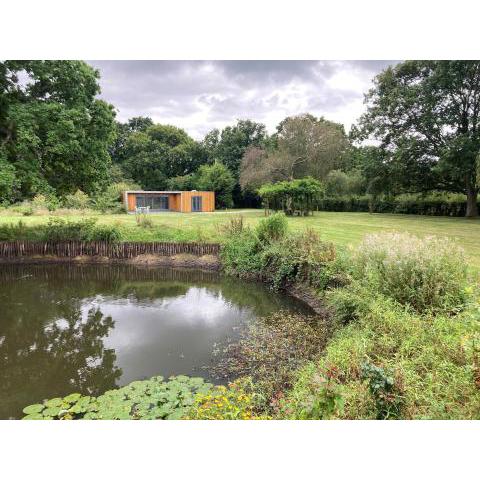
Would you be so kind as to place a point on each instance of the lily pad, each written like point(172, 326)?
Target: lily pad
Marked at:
point(35, 408)
point(52, 411)
point(72, 398)
point(54, 402)
point(33, 416)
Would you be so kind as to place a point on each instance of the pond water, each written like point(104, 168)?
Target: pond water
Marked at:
point(91, 328)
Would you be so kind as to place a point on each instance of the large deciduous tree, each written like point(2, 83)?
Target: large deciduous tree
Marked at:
point(426, 116)
point(54, 132)
point(219, 179)
point(229, 145)
point(160, 152)
point(304, 146)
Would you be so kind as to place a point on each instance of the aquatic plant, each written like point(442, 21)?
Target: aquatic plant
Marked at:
point(140, 400)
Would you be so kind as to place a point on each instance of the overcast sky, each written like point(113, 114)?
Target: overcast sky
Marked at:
point(200, 95)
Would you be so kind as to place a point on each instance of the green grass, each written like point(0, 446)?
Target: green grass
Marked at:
point(343, 228)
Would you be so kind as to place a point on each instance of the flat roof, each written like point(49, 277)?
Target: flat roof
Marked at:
point(153, 191)
point(165, 191)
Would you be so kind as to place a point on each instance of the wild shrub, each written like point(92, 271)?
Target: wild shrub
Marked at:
point(346, 305)
point(78, 200)
point(235, 226)
point(323, 401)
point(273, 228)
point(235, 402)
point(424, 273)
point(43, 203)
point(105, 233)
point(60, 230)
point(241, 254)
point(143, 220)
point(10, 232)
point(383, 388)
point(299, 258)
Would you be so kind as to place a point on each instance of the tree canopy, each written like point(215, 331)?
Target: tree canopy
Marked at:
point(425, 114)
point(54, 132)
point(304, 146)
point(294, 196)
point(157, 153)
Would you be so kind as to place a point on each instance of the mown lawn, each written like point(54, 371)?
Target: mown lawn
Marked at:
point(343, 228)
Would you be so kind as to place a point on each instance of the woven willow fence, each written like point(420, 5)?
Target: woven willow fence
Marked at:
point(104, 249)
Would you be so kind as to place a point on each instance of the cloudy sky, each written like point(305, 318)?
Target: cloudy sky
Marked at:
point(201, 95)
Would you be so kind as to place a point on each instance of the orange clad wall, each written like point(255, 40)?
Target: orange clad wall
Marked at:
point(174, 201)
point(131, 202)
point(208, 201)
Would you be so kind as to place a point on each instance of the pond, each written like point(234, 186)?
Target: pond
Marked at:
point(90, 328)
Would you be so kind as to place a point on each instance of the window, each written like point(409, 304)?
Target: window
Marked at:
point(196, 204)
point(141, 201)
point(160, 202)
point(155, 202)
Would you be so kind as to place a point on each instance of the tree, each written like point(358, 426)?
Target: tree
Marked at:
point(426, 116)
point(305, 146)
point(294, 196)
point(308, 146)
point(123, 131)
point(253, 173)
point(53, 130)
point(159, 153)
point(229, 146)
point(217, 178)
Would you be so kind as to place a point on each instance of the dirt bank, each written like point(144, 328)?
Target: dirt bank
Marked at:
point(204, 262)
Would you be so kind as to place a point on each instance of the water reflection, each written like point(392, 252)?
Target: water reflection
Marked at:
point(66, 328)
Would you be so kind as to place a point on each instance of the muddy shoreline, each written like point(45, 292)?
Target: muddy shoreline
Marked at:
point(204, 262)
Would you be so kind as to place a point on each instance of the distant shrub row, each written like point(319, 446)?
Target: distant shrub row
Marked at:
point(59, 230)
point(106, 201)
point(438, 207)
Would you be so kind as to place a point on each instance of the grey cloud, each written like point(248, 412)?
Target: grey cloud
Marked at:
point(201, 95)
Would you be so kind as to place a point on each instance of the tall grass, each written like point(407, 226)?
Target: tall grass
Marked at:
point(425, 273)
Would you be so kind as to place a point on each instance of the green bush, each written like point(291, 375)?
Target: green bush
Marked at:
point(383, 389)
point(440, 206)
point(143, 220)
point(293, 197)
point(298, 258)
point(110, 200)
point(425, 273)
point(59, 230)
point(10, 232)
point(140, 400)
point(273, 228)
point(279, 259)
point(241, 254)
point(78, 200)
point(45, 202)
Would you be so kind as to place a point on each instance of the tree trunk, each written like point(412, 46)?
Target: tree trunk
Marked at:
point(472, 206)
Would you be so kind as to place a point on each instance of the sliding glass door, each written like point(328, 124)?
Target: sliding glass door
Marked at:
point(196, 204)
point(155, 202)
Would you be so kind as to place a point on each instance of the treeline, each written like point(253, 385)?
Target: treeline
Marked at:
point(61, 145)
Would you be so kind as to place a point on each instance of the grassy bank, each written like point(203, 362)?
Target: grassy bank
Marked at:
point(341, 228)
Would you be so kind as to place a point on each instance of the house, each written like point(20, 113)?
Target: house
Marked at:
point(169, 201)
